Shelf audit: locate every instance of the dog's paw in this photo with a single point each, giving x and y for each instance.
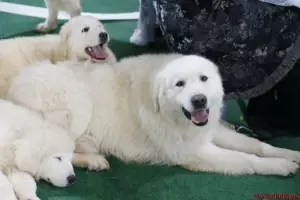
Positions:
(91, 162)
(98, 163)
(275, 152)
(26, 195)
(289, 168)
(293, 156)
(29, 198)
(278, 166)
(45, 27)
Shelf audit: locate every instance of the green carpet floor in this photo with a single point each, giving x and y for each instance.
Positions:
(143, 182)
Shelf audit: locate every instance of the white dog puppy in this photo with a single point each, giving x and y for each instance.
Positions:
(82, 38)
(72, 7)
(29, 143)
(150, 108)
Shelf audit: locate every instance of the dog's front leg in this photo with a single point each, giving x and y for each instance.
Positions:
(51, 22)
(87, 155)
(210, 157)
(229, 139)
(91, 161)
(23, 184)
(73, 7)
(6, 188)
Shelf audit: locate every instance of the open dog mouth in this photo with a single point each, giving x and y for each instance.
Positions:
(96, 52)
(198, 117)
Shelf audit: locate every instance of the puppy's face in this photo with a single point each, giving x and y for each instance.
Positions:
(190, 89)
(47, 154)
(58, 169)
(86, 38)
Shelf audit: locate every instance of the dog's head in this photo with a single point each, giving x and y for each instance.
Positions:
(189, 88)
(85, 38)
(47, 155)
(58, 169)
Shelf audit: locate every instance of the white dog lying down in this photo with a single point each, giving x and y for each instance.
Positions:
(72, 7)
(151, 108)
(82, 38)
(29, 144)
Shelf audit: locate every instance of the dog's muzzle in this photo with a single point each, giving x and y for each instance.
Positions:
(200, 113)
(198, 117)
(98, 52)
(103, 38)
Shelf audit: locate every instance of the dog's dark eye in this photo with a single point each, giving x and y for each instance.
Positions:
(203, 78)
(58, 158)
(85, 29)
(180, 83)
(48, 179)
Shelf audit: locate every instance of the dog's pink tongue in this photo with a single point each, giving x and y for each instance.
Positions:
(99, 52)
(199, 116)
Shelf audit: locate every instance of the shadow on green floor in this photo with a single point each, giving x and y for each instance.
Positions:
(124, 49)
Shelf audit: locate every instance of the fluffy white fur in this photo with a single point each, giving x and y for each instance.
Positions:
(72, 7)
(6, 189)
(23, 184)
(29, 150)
(137, 115)
(17, 53)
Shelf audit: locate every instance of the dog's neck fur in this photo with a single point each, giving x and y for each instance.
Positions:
(60, 52)
(57, 51)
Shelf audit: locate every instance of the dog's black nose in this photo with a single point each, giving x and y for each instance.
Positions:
(103, 37)
(71, 179)
(199, 101)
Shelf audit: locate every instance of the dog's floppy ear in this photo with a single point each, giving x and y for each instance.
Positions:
(28, 155)
(157, 93)
(65, 33)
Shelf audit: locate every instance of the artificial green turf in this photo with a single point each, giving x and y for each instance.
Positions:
(134, 181)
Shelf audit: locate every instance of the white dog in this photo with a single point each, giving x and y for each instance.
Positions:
(82, 38)
(151, 108)
(29, 149)
(72, 7)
